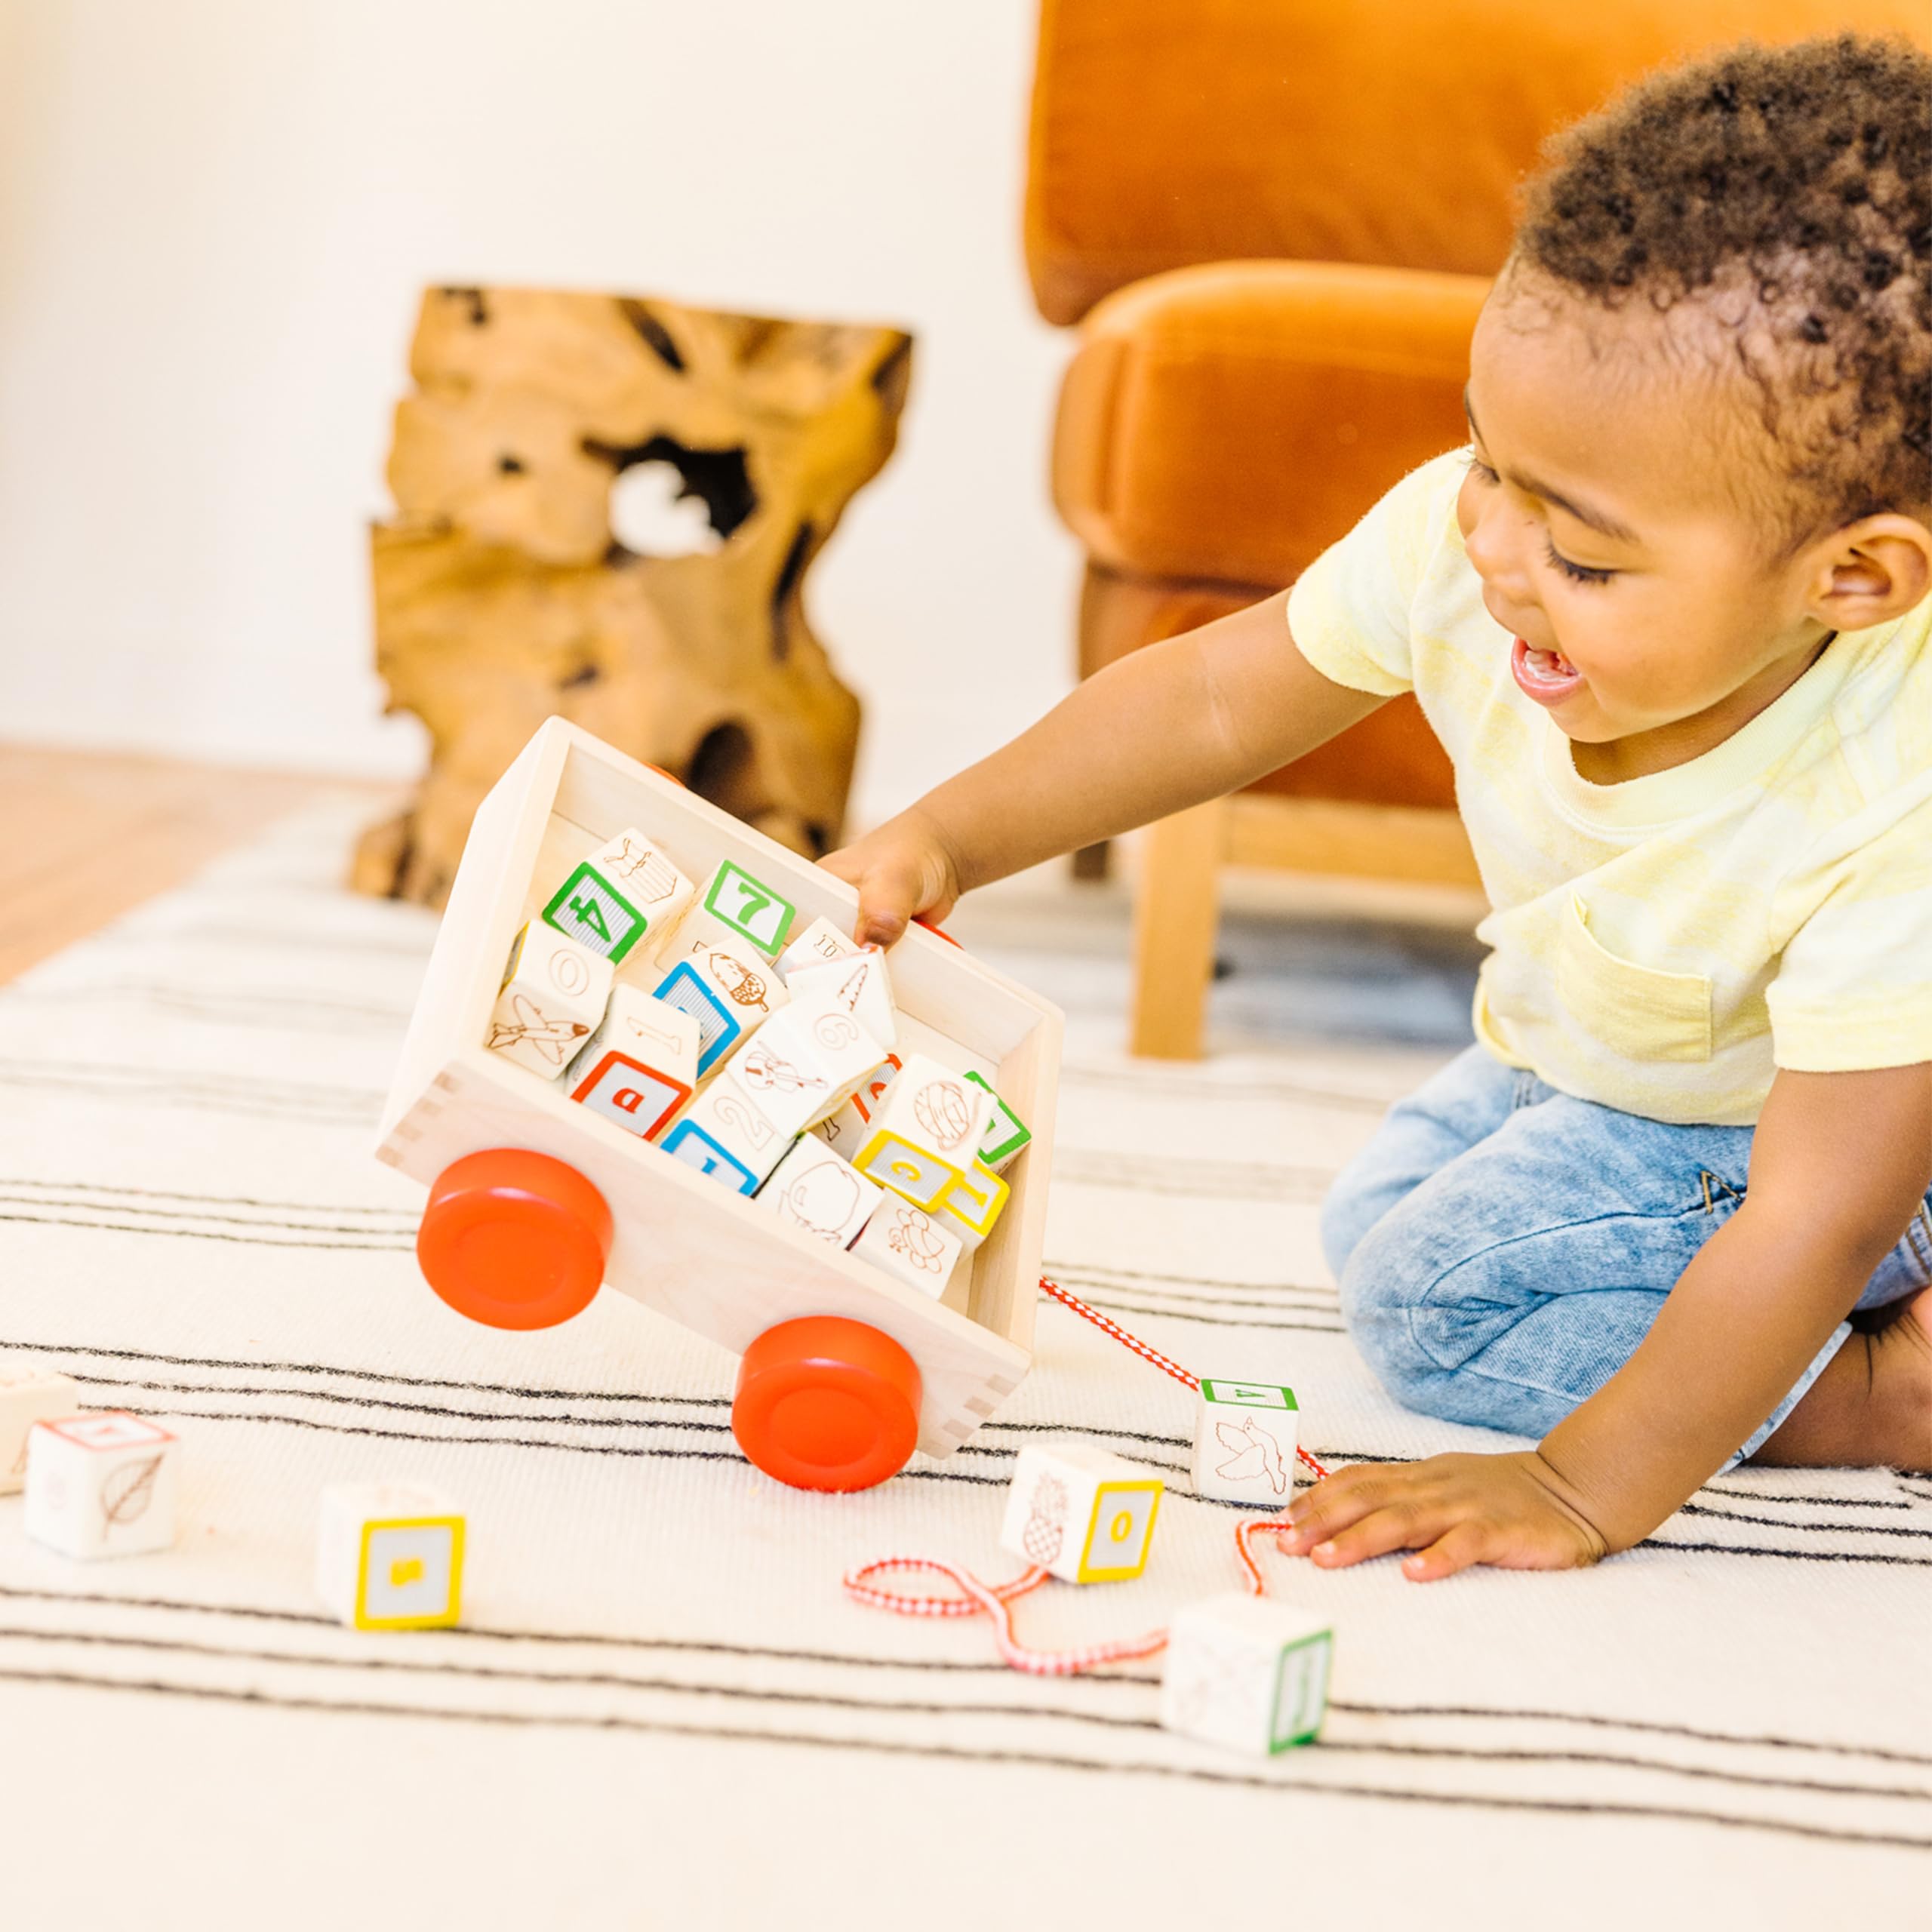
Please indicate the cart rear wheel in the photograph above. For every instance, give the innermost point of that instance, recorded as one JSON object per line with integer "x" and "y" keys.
{"x": 827, "y": 1403}
{"x": 515, "y": 1239}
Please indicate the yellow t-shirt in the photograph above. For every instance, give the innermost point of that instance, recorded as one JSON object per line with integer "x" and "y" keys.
{"x": 1662, "y": 946}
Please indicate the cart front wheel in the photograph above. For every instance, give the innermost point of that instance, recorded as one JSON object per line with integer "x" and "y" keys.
{"x": 515, "y": 1239}
{"x": 827, "y": 1403}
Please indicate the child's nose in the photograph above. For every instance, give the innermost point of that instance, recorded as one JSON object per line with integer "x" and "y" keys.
{"x": 1494, "y": 555}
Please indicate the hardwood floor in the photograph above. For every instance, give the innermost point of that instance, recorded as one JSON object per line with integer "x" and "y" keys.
{"x": 84, "y": 835}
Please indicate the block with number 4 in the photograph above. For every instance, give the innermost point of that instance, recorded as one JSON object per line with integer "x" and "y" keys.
{"x": 726, "y": 987}
{"x": 753, "y": 910}
{"x": 1084, "y": 1514}
{"x": 1244, "y": 1439}
{"x": 906, "y": 1242}
{"x": 805, "y": 1063}
{"x": 28, "y": 1395}
{"x": 390, "y": 1556}
{"x": 1246, "y": 1672}
{"x": 641, "y": 1065}
{"x": 813, "y": 1190}
{"x": 553, "y": 996}
{"x": 100, "y": 1485}
{"x": 625, "y": 895}
{"x": 721, "y": 1133}
{"x": 820, "y": 943}
{"x": 925, "y": 1129}
{"x": 860, "y": 985}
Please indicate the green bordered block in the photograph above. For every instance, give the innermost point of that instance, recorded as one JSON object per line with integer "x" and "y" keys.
{"x": 1006, "y": 1135}
{"x": 752, "y": 910}
{"x": 1301, "y": 1692}
{"x": 1248, "y": 1394}
{"x": 588, "y": 909}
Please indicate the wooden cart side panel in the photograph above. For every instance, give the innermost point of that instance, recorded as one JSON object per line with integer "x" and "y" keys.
{"x": 453, "y": 1004}
{"x": 714, "y": 1262}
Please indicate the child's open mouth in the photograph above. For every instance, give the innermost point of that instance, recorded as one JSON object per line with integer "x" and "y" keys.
{"x": 1548, "y": 676}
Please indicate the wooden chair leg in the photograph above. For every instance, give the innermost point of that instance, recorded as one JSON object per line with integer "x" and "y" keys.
{"x": 1090, "y": 862}
{"x": 1177, "y": 911}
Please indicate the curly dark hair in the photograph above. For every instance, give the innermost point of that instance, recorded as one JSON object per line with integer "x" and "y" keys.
{"x": 1799, "y": 179}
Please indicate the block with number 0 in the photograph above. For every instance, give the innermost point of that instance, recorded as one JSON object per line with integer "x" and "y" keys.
{"x": 751, "y": 909}
{"x": 1083, "y": 1514}
{"x": 553, "y": 994}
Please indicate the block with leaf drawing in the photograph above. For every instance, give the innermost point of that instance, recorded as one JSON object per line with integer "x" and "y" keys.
{"x": 101, "y": 1485}
{"x": 925, "y": 1130}
{"x": 641, "y": 1065}
{"x": 553, "y": 996}
{"x": 1086, "y": 1516}
{"x": 29, "y": 1395}
{"x": 726, "y": 986}
{"x": 389, "y": 1556}
{"x": 754, "y": 910}
{"x": 1245, "y": 1435}
{"x": 1246, "y": 1672}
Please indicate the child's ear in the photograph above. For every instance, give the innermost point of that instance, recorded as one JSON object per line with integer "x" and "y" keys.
{"x": 1871, "y": 571}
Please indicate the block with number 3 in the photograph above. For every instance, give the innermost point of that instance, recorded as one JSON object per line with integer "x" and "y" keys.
{"x": 751, "y": 909}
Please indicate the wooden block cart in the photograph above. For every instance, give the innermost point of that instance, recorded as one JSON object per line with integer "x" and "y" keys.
{"x": 848, "y": 1368}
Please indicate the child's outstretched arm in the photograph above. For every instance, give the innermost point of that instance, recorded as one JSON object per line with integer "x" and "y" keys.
{"x": 1839, "y": 1165}
{"x": 1163, "y": 728}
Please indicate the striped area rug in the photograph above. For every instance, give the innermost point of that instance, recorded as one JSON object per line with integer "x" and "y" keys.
{"x": 662, "y": 1711}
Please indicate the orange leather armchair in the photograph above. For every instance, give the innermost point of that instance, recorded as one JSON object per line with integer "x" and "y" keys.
{"x": 1276, "y": 221}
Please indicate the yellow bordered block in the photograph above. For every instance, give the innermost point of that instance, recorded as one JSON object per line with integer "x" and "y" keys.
{"x": 925, "y": 1126}
{"x": 389, "y": 1556}
{"x": 971, "y": 1206}
{"x": 1083, "y": 1514}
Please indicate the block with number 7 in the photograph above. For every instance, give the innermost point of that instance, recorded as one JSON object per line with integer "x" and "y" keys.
{"x": 751, "y": 909}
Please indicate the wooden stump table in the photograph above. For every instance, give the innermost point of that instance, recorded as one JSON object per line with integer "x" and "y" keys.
{"x": 606, "y": 510}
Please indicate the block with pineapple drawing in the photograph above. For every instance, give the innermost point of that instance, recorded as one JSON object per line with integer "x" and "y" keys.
{"x": 641, "y": 1065}
{"x": 1248, "y": 1672}
{"x": 28, "y": 1394}
{"x": 1245, "y": 1435}
{"x": 388, "y": 1555}
{"x": 1082, "y": 1513}
{"x": 552, "y": 998}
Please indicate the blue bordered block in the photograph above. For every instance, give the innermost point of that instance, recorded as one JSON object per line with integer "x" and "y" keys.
{"x": 719, "y": 1029}
{"x": 688, "y": 1142}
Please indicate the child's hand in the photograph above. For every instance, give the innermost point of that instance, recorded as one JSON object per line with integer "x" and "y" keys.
{"x": 903, "y": 870}
{"x": 1514, "y": 1512}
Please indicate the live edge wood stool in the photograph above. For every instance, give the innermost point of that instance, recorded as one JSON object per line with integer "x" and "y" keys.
{"x": 606, "y": 510}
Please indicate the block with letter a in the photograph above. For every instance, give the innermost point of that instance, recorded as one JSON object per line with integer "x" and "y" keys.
{"x": 1244, "y": 1439}
{"x": 553, "y": 996}
{"x": 100, "y": 1485}
{"x": 723, "y": 1133}
{"x": 641, "y": 1065}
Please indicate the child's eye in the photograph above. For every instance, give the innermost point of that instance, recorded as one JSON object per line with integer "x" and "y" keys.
{"x": 1480, "y": 470}
{"x": 1577, "y": 573}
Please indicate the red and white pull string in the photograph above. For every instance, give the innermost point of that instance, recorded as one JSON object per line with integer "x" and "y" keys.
{"x": 995, "y": 1601}
{"x": 1165, "y": 1363}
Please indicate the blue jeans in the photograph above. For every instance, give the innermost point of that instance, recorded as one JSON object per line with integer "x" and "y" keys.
{"x": 1502, "y": 1248}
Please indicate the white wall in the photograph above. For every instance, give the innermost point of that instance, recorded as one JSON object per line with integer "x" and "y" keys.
{"x": 215, "y": 218}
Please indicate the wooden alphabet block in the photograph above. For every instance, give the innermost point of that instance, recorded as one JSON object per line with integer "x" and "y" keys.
{"x": 1007, "y": 1134}
{"x": 389, "y": 1556}
{"x": 805, "y": 1063}
{"x": 753, "y": 910}
{"x": 925, "y": 1127}
{"x": 626, "y": 896}
{"x": 724, "y": 1134}
{"x": 820, "y": 943}
{"x": 726, "y": 987}
{"x": 812, "y": 1188}
{"x": 1083, "y": 1515}
{"x": 906, "y": 1242}
{"x": 100, "y": 1485}
{"x": 553, "y": 995}
{"x": 1246, "y": 1672}
{"x": 1244, "y": 1439}
{"x": 859, "y": 985}
{"x": 641, "y": 1065}
{"x": 28, "y": 1395}
{"x": 973, "y": 1203}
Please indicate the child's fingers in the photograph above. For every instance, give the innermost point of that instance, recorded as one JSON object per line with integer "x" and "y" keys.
{"x": 890, "y": 890}
{"x": 1458, "y": 1549}
{"x": 1331, "y": 1505}
{"x": 1394, "y": 1526}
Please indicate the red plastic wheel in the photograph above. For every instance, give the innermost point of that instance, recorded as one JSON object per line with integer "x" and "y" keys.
{"x": 515, "y": 1239}
{"x": 827, "y": 1403}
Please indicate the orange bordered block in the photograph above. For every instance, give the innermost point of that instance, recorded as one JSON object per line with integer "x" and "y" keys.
{"x": 389, "y": 1556}
{"x": 101, "y": 1485}
{"x": 28, "y": 1395}
{"x": 641, "y": 1065}
{"x": 551, "y": 1000}
{"x": 925, "y": 1130}
{"x": 1246, "y": 1672}
{"x": 1245, "y": 1435}
{"x": 1083, "y": 1514}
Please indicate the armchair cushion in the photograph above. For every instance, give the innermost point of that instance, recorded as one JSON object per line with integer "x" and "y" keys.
{"x": 1229, "y": 422}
